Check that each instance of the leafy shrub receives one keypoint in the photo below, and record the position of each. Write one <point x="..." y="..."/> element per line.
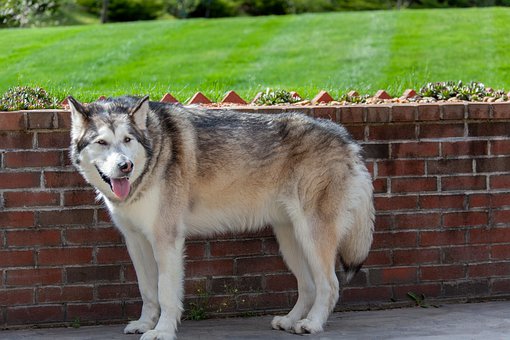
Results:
<point x="125" y="10"/>
<point x="273" y="97"/>
<point x="23" y="13"/>
<point x="27" y="98"/>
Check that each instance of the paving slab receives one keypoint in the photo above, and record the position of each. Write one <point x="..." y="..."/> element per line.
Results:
<point x="489" y="320"/>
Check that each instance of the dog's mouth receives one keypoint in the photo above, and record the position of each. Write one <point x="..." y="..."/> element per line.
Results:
<point x="119" y="186"/>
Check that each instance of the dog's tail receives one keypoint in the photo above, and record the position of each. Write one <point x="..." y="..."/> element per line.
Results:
<point x="357" y="223"/>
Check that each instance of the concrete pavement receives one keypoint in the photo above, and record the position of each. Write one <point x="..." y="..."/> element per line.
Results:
<point x="489" y="320"/>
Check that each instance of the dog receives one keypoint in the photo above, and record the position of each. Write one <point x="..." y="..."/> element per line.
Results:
<point x="166" y="171"/>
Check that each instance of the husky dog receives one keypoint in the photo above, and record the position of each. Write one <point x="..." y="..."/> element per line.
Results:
<point x="167" y="171"/>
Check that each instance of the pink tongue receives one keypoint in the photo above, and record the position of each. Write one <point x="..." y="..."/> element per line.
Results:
<point x="120" y="187"/>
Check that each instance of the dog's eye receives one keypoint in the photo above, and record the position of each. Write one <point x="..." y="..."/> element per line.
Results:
<point x="101" y="142"/>
<point x="127" y="140"/>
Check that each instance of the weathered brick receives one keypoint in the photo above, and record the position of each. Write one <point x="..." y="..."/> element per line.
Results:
<point x="15" y="140"/>
<point x="30" y="199"/>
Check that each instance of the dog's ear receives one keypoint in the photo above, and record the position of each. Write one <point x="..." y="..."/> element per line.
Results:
<point x="139" y="112"/>
<point x="79" y="115"/>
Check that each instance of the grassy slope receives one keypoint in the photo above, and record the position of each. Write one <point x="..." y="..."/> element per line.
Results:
<point x="338" y="52"/>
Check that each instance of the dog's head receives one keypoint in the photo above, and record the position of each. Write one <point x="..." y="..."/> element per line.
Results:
<point x="109" y="143"/>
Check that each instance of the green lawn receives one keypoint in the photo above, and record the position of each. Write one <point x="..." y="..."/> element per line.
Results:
<point x="338" y="52"/>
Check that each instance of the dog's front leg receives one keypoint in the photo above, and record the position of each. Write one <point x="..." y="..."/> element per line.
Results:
<point x="146" y="269"/>
<point x="168" y="252"/>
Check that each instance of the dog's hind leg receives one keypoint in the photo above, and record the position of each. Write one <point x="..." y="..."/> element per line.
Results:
<point x="146" y="269"/>
<point x="319" y="242"/>
<point x="297" y="263"/>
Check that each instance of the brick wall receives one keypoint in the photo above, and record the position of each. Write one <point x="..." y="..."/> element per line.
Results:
<point x="442" y="179"/>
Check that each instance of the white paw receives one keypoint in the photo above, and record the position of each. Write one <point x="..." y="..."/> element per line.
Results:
<point x="307" y="326"/>
<point x="282" y="322"/>
<point x="158" y="335"/>
<point x="138" y="327"/>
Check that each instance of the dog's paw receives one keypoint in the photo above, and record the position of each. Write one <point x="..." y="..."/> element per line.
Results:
<point x="307" y="326"/>
<point x="138" y="327"/>
<point x="283" y="323"/>
<point x="158" y="335"/>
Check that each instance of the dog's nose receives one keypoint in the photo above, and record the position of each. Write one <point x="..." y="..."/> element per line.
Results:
<point x="126" y="167"/>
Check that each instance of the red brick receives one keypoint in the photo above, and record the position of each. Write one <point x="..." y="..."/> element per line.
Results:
<point x="168" y="98"/>
<point x="500" y="147"/>
<point x="499" y="181"/>
<point x="484" y="129"/>
<point x="16" y="218"/>
<point x="93" y="236"/>
<point x="378" y="113"/>
<point x="19" y="180"/>
<point x="91" y="274"/>
<point x="501" y="286"/>
<point x="500" y="110"/>
<point x="195" y="250"/>
<point x="30" y="199"/>
<point x="430" y="290"/>
<point x="370" y="294"/>
<point x="199" y="98"/>
<point x="281" y="282"/>
<point x="270" y="247"/>
<point x="235" y="248"/>
<point x="118" y="291"/>
<point x="500" y="252"/>
<point x="413" y="184"/>
<point x="383" y="222"/>
<point x="14" y="258"/>
<point x="491" y="235"/>
<point x="428" y="112"/>
<point x="263" y="301"/>
<point x="396" y="203"/>
<point x="65" y="294"/>
<point x="64" y="179"/>
<point x="465" y="218"/>
<point x="464" y="148"/>
<point x="54" y="140"/>
<point x="65" y="217"/>
<point x="27" y="159"/>
<point x="12" y="121"/>
<point x="381" y="94"/>
<point x="80" y="197"/>
<point x="380" y="185"/>
<point x="352" y="114"/>
<point x="498" y="164"/>
<point x="34" y="276"/>
<point x="262" y="264"/>
<point x="415" y="256"/>
<point x="209" y="267"/>
<point x="378" y="258"/>
<point x="392" y="132"/>
<point x="442" y="201"/>
<point x="401" y="168"/>
<point x="357" y="132"/>
<point x="465" y="254"/>
<point x="16" y="140"/>
<point x="403" y="113"/>
<point x="64" y="120"/>
<point x="64" y="256"/>
<point x="322" y="97"/>
<point x="453" y="111"/>
<point x="441" y="130"/>
<point x="95" y="312"/>
<point x="449" y="167"/>
<point x="327" y="112"/>
<point x="418" y="221"/>
<point x="46" y="237"/>
<point x="42" y="120"/>
<point x="27" y="315"/>
<point x="463" y="183"/>
<point x="393" y="275"/>
<point x="439" y="238"/>
<point x="500" y="200"/>
<point x="480" y="200"/>
<point x="489" y="270"/>
<point x="501" y="217"/>
<point x="442" y="272"/>
<point x="383" y="240"/>
<point x="415" y="149"/>
<point x="478" y="111"/>
<point x="112" y="255"/>
<point x="10" y="297"/>
<point x="233" y="98"/>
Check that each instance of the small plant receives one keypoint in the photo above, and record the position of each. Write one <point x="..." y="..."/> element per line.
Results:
<point x="274" y="97"/>
<point x="419" y="300"/>
<point x="27" y="98"/>
<point x="76" y="323"/>
<point x="197" y="310"/>
<point x="355" y="99"/>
